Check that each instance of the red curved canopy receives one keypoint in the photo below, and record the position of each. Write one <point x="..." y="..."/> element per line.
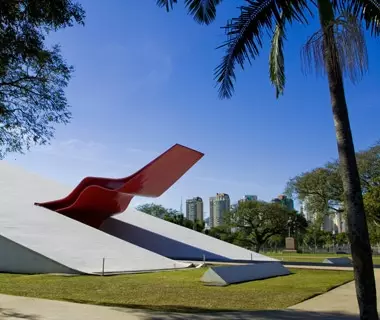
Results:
<point x="95" y="199"/>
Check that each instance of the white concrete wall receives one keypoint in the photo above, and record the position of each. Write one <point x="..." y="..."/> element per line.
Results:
<point x="225" y="275"/>
<point x="173" y="241"/>
<point x="59" y="238"/>
<point x="15" y="258"/>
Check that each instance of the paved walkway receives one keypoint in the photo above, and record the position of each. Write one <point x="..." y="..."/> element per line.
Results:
<point x="339" y="303"/>
<point x="16" y="308"/>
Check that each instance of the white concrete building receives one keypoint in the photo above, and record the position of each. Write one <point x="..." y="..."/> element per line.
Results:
<point x="37" y="240"/>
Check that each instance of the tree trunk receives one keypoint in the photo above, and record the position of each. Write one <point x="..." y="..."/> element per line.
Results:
<point x="357" y="224"/>
<point x="258" y="247"/>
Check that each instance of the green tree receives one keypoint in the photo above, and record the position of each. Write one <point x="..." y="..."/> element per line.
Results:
<point x="339" y="49"/>
<point x="276" y="241"/>
<point x="341" y="239"/>
<point x="320" y="190"/>
<point x="313" y="232"/>
<point x="369" y="167"/>
<point x="32" y="76"/>
<point x="155" y="210"/>
<point x="372" y="205"/>
<point x="374" y="234"/>
<point x="257" y="221"/>
<point x="223" y="233"/>
<point x="170" y="215"/>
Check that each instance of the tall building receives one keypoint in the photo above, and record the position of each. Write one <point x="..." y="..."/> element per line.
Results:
<point x="332" y="221"/>
<point x="194" y="209"/>
<point x="219" y="205"/>
<point x="285" y="201"/>
<point x="248" y="197"/>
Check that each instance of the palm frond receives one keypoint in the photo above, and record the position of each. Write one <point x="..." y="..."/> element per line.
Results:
<point x="245" y="35"/>
<point x="168" y="4"/>
<point x="203" y="11"/>
<point x="367" y="11"/>
<point x="276" y="58"/>
<point x="351" y="49"/>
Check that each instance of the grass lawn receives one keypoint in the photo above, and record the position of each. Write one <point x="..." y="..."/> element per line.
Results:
<point x="176" y="290"/>
<point x="311" y="257"/>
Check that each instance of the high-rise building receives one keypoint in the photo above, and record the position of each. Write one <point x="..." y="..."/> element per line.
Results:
<point x="334" y="223"/>
<point x="194" y="209"/>
<point x="331" y="221"/>
<point x="248" y="197"/>
<point x="219" y="205"/>
<point x="285" y="201"/>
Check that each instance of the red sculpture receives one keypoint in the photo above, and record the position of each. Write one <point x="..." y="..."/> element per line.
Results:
<point x="96" y="199"/>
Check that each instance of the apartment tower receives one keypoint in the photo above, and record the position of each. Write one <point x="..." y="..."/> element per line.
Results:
<point x="219" y="205"/>
<point x="194" y="209"/>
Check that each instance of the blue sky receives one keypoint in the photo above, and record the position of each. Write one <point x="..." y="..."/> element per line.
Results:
<point x="144" y="81"/>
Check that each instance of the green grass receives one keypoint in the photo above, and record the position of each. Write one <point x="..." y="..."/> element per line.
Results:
<point x="311" y="257"/>
<point x="176" y="290"/>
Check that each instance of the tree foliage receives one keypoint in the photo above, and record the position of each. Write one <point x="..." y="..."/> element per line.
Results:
<point x="32" y="76"/>
<point x="372" y="205"/>
<point x="155" y="210"/>
<point x="257" y="221"/>
<point x="245" y="35"/>
<point x="224" y="233"/>
<point x="171" y="215"/>
<point x="341" y="239"/>
<point x="321" y="189"/>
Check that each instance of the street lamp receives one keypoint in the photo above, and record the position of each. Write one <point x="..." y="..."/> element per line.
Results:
<point x="333" y="237"/>
<point x="290" y="222"/>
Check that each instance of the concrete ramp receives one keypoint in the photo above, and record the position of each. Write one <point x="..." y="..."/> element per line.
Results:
<point x="15" y="258"/>
<point x="174" y="241"/>
<point x="342" y="261"/>
<point x="226" y="275"/>
<point x="44" y="241"/>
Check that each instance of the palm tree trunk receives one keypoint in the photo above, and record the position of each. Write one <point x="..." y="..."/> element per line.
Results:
<point x="357" y="224"/>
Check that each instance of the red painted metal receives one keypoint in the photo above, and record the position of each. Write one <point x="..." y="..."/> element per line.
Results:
<point x="96" y="199"/>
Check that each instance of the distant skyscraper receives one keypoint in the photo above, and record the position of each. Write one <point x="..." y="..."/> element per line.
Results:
<point x="219" y="205"/>
<point x="331" y="221"/>
<point x="194" y="209"/>
<point x="285" y="201"/>
<point x="248" y="197"/>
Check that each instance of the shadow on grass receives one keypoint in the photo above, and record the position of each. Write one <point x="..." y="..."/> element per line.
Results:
<point x="177" y="312"/>
<point x="247" y="315"/>
<point x="11" y="314"/>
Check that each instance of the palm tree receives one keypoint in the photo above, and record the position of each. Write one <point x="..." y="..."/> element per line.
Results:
<point x="328" y="48"/>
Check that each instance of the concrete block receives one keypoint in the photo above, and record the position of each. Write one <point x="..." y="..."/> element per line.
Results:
<point x="344" y="261"/>
<point x="226" y="275"/>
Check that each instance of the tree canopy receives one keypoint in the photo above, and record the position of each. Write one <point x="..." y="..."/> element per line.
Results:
<point x="257" y="19"/>
<point x="171" y="215"/>
<point x="321" y="189"/>
<point x="256" y="221"/>
<point x="33" y="76"/>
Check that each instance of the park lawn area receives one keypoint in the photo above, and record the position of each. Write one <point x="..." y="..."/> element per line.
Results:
<point x="311" y="257"/>
<point x="176" y="290"/>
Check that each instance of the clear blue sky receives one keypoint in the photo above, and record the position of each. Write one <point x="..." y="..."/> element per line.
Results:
<point x="144" y="81"/>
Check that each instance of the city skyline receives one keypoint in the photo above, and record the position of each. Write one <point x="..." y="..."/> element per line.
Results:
<point x="283" y="199"/>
